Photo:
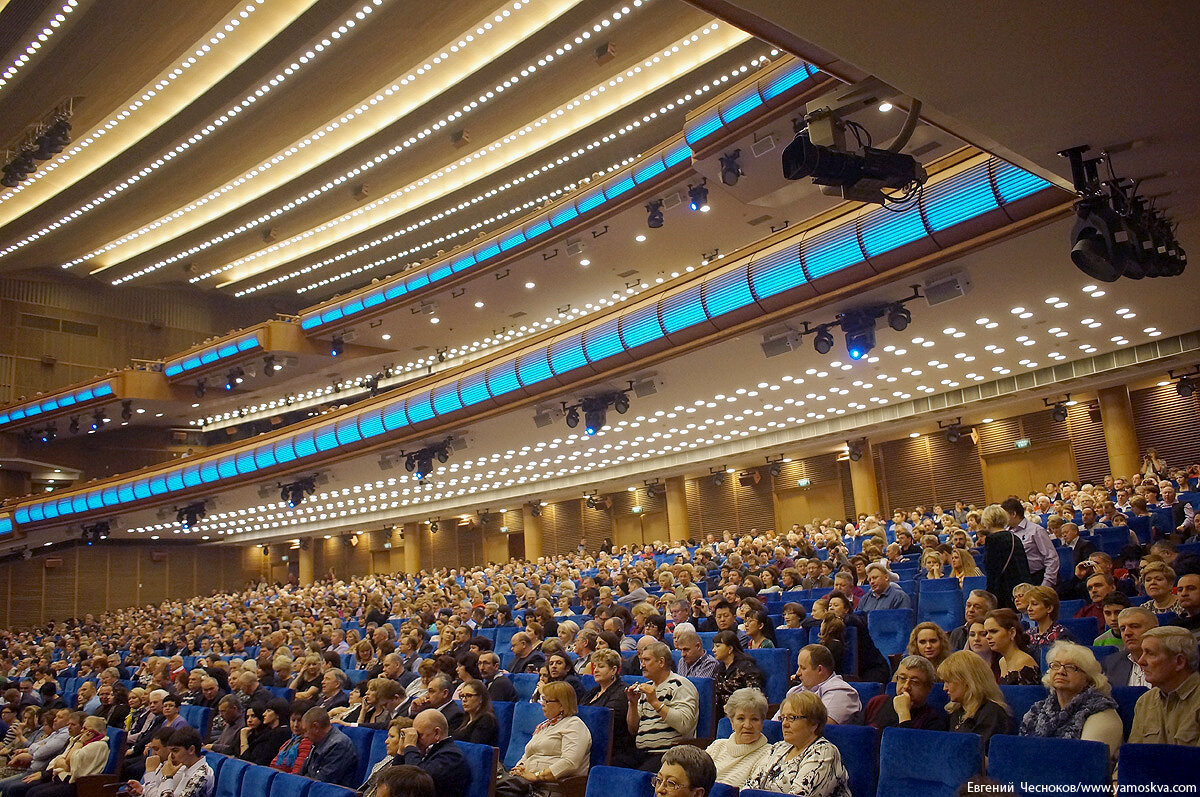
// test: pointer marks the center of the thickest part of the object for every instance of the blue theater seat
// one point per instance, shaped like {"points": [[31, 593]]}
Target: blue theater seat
{"points": [[867, 690], [257, 780], [1084, 629], [288, 785], [775, 664], [793, 639], [525, 684], [504, 718], [772, 729], [363, 738], [612, 781], [706, 719], [859, 746], [526, 717], [198, 717], [1035, 759], [1158, 766], [890, 628], [116, 751], [282, 691], [229, 779], [925, 763], [319, 789], [481, 761], [599, 721], [943, 607], [1021, 698], [215, 762], [378, 750], [1127, 698]]}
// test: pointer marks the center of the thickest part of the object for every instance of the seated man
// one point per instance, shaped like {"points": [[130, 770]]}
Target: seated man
{"points": [[1187, 591], [159, 766], [498, 684], [663, 711], [526, 658], [440, 697], [694, 660], [428, 745], [883, 593], [909, 708], [67, 727], [1170, 712], [979, 603], [1099, 586], [1122, 668], [194, 777], [685, 770], [814, 669], [226, 727], [1112, 606], [333, 758]]}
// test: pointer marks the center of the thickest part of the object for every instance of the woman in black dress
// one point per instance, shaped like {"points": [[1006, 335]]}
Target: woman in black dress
{"points": [[267, 729], [1004, 560], [609, 692], [736, 670]]}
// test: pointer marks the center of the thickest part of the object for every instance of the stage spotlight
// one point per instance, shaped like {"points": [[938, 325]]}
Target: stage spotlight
{"points": [[698, 197], [572, 417], [621, 403], [433, 527], [1059, 412], [731, 170], [654, 214], [73, 427], [594, 417], [410, 463], [295, 492], [98, 419], [270, 366], [424, 463], [201, 387], [954, 433], [126, 410], [189, 516], [49, 433], [1185, 387], [718, 479], [337, 345], [54, 140], [535, 508], [823, 340], [855, 450], [899, 317]]}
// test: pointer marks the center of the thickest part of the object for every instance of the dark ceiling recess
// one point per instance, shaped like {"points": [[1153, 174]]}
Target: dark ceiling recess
{"points": [[17, 17]]}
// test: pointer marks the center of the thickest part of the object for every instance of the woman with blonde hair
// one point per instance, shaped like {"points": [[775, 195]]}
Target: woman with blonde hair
{"points": [[1079, 705], [931, 565], [559, 747], [1004, 560], [976, 703], [962, 564], [929, 641]]}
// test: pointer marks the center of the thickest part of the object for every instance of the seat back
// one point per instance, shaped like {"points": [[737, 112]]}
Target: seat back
{"points": [[504, 718], [936, 585], [289, 785], [723, 790], [609, 781], [378, 751], [116, 751], [199, 717], [867, 690], [319, 789], [970, 583], [928, 763], [1021, 698], [941, 606], [890, 629], [776, 666], [1127, 698], [772, 729], [525, 684], [859, 746], [257, 780], [793, 639], [1158, 765], [1068, 608], [706, 718], [599, 721], [229, 779], [504, 635], [1037, 759], [481, 762], [215, 762], [363, 738], [1084, 629], [282, 691], [526, 717]]}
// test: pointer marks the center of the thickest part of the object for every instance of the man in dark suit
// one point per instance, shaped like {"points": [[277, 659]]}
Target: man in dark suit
{"points": [[439, 697], [498, 684], [526, 658], [1080, 548], [428, 745], [1121, 668]]}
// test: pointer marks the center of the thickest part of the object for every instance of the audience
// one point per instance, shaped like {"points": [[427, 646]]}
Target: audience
{"points": [[560, 747], [662, 711], [1008, 640], [405, 780], [976, 704], [266, 731], [393, 747], [428, 746], [736, 756], [479, 723], [736, 669], [685, 771], [609, 692], [333, 757], [1122, 668], [814, 670], [909, 707], [295, 750], [1080, 705], [804, 763], [929, 641], [1170, 712]]}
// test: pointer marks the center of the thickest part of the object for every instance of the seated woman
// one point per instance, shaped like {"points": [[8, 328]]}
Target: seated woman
{"points": [[1041, 606], [1008, 641], [394, 757], [871, 663], [977, 643], [962, 563], [560, 747], [609, 692], [794, 615], [1080, 705], [929, 641], [567, 630], [805, 763], [833, 636], [735, 669], [267, 731], [976, 704], [413, 692], [294, 752], [736, 756], [931, 565], [1158, 581], [479, 724], [87, 755], [760, 629]]}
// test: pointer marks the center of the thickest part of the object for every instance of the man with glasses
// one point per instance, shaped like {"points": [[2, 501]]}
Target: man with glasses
{"points": [[909, 708], [686, 771]]}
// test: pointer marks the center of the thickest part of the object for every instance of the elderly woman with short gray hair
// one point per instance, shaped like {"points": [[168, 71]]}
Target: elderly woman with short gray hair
{"points": [[736, 755], [1080, 705]]}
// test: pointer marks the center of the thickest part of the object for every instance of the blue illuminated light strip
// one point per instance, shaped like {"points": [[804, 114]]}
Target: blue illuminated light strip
{"points": [[709, 303], [208, 356], [701, 127], [36, 408]]}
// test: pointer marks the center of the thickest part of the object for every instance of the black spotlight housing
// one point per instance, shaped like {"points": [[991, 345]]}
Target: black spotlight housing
{"points": [[654, 214], [54, 140], [860, 333], [294, 493], [127, 410], [854, 449], [864, 173], [201, 387], [572, 417], [823, 340], [337, 345], [1185, 387], [270, 366], [595, 415], [718, 478], [1058, 413], [731, 169], [953, 433], [698, 197], [189, 516], [899, 317], [73, 426], [424, 463]]}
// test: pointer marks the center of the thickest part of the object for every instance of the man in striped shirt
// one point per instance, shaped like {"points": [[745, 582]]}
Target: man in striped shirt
{"points": [[663, 711]]}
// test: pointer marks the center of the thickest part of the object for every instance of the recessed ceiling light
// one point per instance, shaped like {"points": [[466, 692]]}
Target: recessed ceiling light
{"points": [[986, 420], [531, 285], [435, 320], [386, 336], [586, 262], [914, 434], [640, 237], [479, 304], [884, 107]]}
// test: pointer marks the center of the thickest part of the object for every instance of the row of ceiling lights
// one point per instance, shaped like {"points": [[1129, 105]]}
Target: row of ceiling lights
{"points": [[362, 167]]}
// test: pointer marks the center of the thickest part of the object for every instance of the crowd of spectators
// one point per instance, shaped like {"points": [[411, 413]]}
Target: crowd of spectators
{"points": [[426, 676]]}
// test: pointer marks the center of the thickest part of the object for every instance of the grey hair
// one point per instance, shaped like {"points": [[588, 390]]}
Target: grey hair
{"points": [[984, 595], [1176, 641], [881, 568], [157, 694], [698, 764], [1130, 611], [1082, 658], [919, 663], [752, 701]]}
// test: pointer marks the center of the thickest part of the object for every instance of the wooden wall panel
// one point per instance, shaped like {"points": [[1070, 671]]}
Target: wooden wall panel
{"points": [[847, 489], [754, 503], [1087, 441], [209, 563], [1167, 422], [153, 583], [122, 576], [59, 585], [597, 526], [907, 472], [25, 593], [955, 471]]}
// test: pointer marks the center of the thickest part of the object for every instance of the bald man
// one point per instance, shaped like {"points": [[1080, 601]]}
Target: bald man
{"points": [[427, 744]]}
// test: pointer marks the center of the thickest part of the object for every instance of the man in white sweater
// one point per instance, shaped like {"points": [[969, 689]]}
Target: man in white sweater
{"points": [[663, 711]]}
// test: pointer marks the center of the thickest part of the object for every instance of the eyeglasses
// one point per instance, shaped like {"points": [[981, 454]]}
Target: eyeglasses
{"points": [[1069, 669], [666, 783], [901, 680], [790, 718]]}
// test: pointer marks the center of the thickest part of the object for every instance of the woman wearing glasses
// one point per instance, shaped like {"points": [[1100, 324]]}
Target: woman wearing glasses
{"points": [[560, 746], [479, 725], [805, 763], [1079, 705]]}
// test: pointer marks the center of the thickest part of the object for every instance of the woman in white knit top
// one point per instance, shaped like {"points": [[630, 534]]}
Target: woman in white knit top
{"points": [[736, 756]]}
